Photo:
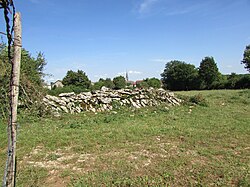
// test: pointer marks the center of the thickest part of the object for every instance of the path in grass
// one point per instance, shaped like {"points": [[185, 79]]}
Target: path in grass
{"points": [[179, 146]]}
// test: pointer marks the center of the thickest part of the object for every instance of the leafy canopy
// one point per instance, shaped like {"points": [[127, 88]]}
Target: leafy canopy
{"points": [[78, 79], [208, 72], [119, 82], [179, 75], [31, 89], [246, 58], [150, 82]]}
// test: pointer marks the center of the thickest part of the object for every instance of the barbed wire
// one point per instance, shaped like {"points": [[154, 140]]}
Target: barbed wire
{"points": [[6, 5]]}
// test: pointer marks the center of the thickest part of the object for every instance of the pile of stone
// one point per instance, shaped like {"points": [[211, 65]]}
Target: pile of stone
{"points": [[107, 99]]}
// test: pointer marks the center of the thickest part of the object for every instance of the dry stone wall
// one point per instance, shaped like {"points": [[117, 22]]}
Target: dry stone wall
{"points": [[106, 100]]}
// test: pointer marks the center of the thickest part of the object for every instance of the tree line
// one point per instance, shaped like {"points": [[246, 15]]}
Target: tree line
{"points": [[179, 75], [78, 81]]}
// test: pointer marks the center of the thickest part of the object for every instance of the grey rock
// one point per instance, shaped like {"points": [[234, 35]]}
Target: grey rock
{"points": [[105, 100], [104, 89], [102, 100], [67, 94], [64, 109]]}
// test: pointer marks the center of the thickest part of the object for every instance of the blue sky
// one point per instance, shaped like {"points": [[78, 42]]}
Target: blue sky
{"points": [[104, 38]]}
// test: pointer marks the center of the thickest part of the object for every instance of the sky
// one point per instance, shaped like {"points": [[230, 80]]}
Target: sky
{"points": [[106, 38]]}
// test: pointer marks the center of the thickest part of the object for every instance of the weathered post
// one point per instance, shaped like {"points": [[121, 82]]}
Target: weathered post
{"points": [[14, 86]]}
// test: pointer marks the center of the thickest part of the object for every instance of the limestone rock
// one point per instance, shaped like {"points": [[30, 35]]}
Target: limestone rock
{"points": [[104, 89], [105, 99], [66, 94]]}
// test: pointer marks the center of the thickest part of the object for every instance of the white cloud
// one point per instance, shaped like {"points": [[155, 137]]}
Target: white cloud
{"points": [[130, 72], [134, 72], [146, 5], [171, 7], [185, 8], [121, 74], [104, 76], [161, 60], [179, 12]]}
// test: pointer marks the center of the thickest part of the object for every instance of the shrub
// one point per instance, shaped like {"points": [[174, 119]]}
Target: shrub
{"points": [[198, 100]]}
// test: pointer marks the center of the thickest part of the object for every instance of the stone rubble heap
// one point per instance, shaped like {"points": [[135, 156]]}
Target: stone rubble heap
{"points": [[106, 100]]}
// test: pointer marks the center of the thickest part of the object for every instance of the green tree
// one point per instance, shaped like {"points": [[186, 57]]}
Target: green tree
{"points": [[32, 68], [103, 82], [142, 84], [220, 82], [208, 72], [179, 75], [153, 82], [232, 79], [98, 85], [109, 83], [31, 89], [77, 79], [243, 82], [246, 58], [119, 82]]}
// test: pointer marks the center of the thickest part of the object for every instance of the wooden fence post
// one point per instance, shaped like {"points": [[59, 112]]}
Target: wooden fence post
{"points": [[14, 85]]}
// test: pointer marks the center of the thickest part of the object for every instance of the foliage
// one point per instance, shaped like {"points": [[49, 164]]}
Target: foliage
{"points": [[237, 81], [232, 79], [66, 89], [198, 99], [31, 82], [150, 82], [220, 82], [119, 82], [179, 75], [78, 79], [142, 84], [97, 85], [103, 82], [246, 58], [153, 82], [109, 83], [32, 68], [208, 72], [243, 82]]}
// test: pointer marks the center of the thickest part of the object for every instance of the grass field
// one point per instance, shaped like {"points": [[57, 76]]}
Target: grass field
{"points": [[189, 145]]}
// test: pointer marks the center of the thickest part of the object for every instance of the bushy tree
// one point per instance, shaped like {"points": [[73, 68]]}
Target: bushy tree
{"points": [[119, 82], [31, 89], [103, 82], [33, 67], [220, 82], [232, 79], [243, 82], [246, 58], [77, 79], [150, 82], [208, 72], [153, 82], [109, 83], [142, 84], [179, 75], [98, 85]]}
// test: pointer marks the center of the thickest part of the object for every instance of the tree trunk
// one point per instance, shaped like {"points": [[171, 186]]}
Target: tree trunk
{"points": [[14, 86]]}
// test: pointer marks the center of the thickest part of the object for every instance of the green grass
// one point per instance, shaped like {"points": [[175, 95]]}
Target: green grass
{"points": [[191, 145]]}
